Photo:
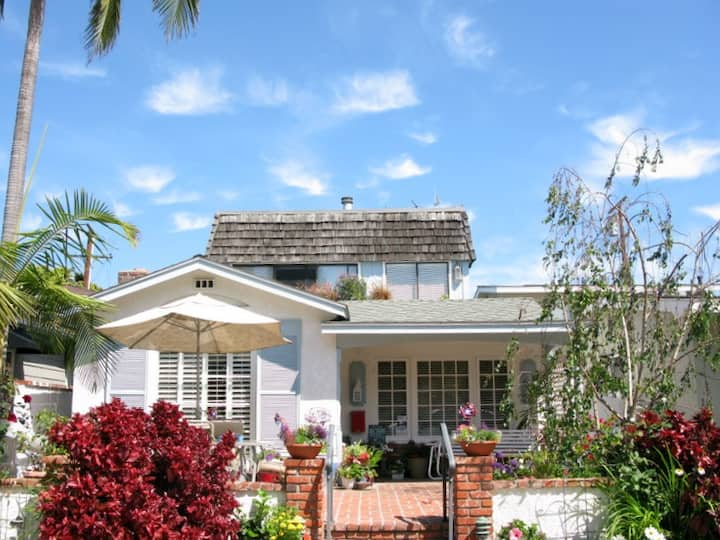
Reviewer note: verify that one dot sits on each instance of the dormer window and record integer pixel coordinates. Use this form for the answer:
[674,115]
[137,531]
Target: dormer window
[296,274]
[417,281]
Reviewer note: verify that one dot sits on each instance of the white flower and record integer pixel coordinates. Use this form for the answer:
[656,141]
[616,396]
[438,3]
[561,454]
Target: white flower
[678,472]
[651,533]
[701,471]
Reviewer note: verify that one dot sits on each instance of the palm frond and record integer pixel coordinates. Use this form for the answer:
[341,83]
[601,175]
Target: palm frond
[178,16]
[49,245]
[103,27]
[15,305]
[65,322]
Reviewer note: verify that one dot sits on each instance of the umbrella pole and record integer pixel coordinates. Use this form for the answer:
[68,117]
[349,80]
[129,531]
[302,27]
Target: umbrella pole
[198,367]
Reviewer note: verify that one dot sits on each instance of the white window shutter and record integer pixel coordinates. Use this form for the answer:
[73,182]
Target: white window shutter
[280,380]
[433,281]
[128,380]
[402,280]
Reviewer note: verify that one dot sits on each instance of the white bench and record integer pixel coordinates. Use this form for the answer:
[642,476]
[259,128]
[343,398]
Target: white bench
[516,441]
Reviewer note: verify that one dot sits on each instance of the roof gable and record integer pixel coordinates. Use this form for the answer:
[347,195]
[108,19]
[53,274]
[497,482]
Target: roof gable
[343,236]
[199,263]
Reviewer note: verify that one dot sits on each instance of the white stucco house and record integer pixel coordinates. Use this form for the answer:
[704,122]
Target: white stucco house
[404,364]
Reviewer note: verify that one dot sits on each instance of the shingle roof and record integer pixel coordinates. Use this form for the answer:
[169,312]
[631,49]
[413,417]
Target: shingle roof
[343,236]
[481,310]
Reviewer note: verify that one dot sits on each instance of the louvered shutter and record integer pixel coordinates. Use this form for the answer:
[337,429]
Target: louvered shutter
[432,281]
[227,379]
[128,380]
[280,381]
[240,390]
[402,280]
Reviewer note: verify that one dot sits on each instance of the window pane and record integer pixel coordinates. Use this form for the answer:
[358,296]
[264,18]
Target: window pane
[392,395]
[448,391]
[493,382]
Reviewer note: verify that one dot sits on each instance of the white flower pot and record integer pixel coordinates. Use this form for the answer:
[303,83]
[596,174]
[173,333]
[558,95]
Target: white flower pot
[347,483]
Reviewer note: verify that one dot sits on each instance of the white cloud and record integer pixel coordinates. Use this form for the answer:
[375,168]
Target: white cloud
[122,210]
[401,167]
[366,184]
[177,197]
[267,93]
[185,221]
[471,215]
[190,92]
[425,137]
[683,159]
[712,211]
[30,222]
[71,70]
[375,92]
[467,46]
[149,178]
[562,109]
[295,174]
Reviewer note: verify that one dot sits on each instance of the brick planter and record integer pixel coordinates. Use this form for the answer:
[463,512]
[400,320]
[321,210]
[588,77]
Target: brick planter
[305,490]
[473,493]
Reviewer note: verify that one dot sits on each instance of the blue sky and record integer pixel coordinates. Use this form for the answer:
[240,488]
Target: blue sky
[291,105]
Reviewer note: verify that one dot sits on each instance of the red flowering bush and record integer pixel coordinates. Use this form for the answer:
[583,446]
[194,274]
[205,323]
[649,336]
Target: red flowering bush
[134,475]
[695,445]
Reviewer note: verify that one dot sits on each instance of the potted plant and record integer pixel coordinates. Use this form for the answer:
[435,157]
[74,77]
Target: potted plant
[359,464]
[477,442]
[348,473]
[306,441]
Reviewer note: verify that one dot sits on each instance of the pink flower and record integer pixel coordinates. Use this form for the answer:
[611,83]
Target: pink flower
[11,417]
[27,398]
[515,534]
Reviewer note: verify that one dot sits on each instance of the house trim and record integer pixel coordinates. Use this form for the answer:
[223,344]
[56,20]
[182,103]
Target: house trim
[232,274]
[345,328]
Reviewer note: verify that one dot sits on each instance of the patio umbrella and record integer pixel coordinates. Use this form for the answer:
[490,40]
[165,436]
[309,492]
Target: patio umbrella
[197,323]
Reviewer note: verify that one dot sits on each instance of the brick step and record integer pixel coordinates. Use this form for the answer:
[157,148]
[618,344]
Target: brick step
[415,529]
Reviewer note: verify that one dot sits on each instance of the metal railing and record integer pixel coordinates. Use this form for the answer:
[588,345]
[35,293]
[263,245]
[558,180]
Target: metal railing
[329,482]
[448,478]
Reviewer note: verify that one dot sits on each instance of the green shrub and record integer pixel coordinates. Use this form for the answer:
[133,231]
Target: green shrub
[351,288]
[267,521]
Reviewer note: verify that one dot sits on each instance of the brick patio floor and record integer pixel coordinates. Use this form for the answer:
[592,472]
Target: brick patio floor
[398,506]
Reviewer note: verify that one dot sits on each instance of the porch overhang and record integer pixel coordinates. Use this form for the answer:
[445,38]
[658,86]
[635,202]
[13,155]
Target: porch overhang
[350,335]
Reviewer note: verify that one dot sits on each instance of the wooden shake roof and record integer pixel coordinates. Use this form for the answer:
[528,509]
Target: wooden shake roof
[342,236]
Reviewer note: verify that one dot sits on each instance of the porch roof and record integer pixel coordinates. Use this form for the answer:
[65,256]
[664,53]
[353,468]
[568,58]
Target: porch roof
[475,316]
[477,310]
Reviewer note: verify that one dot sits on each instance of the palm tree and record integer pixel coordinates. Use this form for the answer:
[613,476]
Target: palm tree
[33,278]
[178,18]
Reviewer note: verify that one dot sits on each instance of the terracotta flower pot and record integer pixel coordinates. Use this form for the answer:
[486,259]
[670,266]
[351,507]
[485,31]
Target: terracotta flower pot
[303,451]
[478,448]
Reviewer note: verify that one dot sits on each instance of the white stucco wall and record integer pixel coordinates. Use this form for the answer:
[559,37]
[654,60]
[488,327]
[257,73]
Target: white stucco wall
[561,513]
[318,357]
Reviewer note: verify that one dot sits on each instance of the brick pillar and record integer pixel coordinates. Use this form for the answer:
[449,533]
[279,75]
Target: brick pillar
[305,487]
[473,493]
